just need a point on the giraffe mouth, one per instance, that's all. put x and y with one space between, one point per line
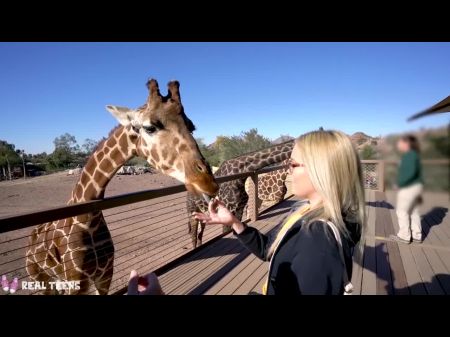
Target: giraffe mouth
200 184
208 193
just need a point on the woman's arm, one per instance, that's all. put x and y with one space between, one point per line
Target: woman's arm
259 243
254 241
250 237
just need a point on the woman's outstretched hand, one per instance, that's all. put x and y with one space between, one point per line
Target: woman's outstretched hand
144 285
218 214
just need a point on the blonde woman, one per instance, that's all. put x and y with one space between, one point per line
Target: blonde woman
305 252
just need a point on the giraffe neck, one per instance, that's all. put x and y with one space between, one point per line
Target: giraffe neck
257 160
101 166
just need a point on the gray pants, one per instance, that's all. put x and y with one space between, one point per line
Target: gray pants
408 212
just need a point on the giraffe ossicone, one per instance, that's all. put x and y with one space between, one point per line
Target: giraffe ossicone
80 248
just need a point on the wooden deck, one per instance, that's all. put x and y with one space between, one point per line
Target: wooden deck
225 267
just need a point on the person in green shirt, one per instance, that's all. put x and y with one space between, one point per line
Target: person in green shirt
410 184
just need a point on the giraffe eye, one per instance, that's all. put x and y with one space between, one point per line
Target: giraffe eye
150 129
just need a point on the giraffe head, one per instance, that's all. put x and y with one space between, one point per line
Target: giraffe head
161 133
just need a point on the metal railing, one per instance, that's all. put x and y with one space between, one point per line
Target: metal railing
372 171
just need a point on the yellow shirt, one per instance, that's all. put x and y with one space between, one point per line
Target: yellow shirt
291 220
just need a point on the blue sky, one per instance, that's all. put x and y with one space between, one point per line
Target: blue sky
47 89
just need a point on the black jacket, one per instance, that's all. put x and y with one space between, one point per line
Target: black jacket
307 261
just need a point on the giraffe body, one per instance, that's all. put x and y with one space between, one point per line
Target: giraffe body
272 185
233 193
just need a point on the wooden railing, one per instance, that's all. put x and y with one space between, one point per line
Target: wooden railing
374 171
20 221
14 233
25 220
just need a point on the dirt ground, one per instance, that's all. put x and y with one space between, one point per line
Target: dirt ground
38 193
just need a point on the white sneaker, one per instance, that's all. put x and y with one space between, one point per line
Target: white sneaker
14 285
5 283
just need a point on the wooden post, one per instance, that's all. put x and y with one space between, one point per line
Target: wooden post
252 209
381 169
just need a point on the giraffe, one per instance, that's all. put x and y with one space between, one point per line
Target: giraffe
80 248
233 193
272 185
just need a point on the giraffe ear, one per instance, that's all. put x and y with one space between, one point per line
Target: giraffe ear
124 115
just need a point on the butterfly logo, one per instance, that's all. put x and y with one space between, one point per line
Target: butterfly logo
10 287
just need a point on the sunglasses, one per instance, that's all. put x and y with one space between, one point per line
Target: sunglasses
291 165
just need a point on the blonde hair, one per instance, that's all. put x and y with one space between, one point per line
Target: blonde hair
334 168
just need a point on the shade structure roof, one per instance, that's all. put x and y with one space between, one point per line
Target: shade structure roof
442 106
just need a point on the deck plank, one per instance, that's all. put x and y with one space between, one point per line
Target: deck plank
439 260
203 256
435 235
259 273
220 271
443 255
426 272
221 254
219 286
357 270
383 270
207 268
413 277
369 284
383 267
244 277
358 257
397 282
439 269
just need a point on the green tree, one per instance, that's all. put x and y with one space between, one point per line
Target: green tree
439 146
89 146
207 152
65 153
282 139
40 160
8 158
226 147
368 152
67 142
252 141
